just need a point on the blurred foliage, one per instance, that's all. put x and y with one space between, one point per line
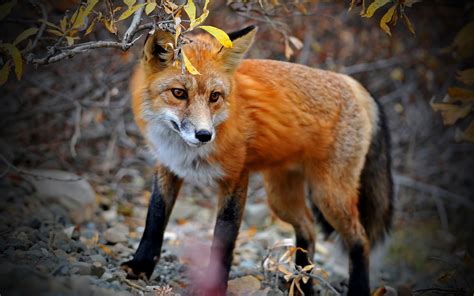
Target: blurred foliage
181 17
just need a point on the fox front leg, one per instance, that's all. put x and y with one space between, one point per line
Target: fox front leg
165 190
229 216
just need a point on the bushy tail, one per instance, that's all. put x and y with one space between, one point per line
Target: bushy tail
376 188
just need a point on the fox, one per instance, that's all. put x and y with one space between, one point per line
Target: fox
300 127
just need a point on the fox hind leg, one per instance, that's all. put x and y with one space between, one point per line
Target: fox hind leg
339 206
286 197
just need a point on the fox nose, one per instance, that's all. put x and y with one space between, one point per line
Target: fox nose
203 135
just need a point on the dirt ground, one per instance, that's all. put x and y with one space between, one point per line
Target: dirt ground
73 119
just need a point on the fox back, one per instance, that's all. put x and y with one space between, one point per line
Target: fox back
296 125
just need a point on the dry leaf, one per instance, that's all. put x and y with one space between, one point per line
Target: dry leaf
466 76
6 8
131 10
450 112
408 23
374 6
296 42
16 56
150 7
25 34
387 17
457 94
188 65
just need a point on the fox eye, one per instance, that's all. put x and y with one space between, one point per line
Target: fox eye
179 93
214 96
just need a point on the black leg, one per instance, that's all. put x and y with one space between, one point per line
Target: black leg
165 190
229 217
359 274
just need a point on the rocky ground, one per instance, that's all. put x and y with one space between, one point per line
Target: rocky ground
65 229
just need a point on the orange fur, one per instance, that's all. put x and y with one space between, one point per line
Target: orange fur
295 124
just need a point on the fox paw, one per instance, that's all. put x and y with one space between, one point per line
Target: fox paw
137 269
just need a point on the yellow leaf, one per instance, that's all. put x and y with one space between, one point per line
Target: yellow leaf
16 56
70 40
4 72
63 24
55 32
190 9
131 10
110 26
49 24
91 27
25 34
408 23
129 2
374 6
150 7
6 8
83 13
466 76
199 20
90 5
220 35
387 17
205 5
77 18
188 65
466 135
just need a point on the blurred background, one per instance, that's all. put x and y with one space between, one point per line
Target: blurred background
75 174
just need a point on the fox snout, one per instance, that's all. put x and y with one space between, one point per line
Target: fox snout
195 133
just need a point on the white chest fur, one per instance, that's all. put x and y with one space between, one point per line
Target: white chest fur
189 163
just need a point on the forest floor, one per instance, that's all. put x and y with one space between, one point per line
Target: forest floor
72 119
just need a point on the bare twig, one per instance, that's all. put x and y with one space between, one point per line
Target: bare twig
320 279
137 16
380 64
69 53
36 176
434 190
77 130
42 26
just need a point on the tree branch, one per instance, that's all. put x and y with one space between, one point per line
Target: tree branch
137 17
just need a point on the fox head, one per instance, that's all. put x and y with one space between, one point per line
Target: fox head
191 105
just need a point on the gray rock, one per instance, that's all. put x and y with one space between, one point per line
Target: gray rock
97 269
116 234
81 268
74 194
99 258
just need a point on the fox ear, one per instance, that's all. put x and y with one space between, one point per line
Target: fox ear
241 41
158 51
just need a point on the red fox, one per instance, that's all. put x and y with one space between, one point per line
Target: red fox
296 125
